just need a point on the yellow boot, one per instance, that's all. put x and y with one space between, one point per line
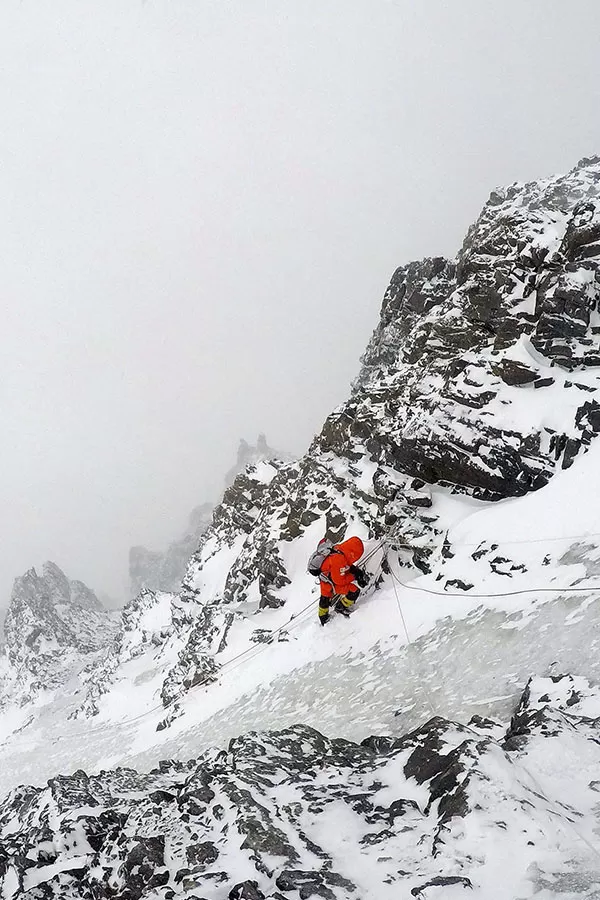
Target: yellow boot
344 605
323 614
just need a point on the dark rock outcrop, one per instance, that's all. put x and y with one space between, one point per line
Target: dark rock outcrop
293 814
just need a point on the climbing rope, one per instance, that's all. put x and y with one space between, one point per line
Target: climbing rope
412 651
228 666
541 790
293 622
297 618
559 812
399 605
518 593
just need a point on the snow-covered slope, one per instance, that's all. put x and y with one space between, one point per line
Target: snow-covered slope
481 380
550 538
465 458
504 811
468 653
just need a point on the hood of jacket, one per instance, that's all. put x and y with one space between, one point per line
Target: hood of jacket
352 549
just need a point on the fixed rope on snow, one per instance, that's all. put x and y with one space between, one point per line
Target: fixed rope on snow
253 652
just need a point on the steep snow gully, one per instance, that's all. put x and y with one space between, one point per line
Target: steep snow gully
465 458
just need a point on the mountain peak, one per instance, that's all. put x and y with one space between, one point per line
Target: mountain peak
251 454
49 620
165 570
480 384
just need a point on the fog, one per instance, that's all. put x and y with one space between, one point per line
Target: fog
202 203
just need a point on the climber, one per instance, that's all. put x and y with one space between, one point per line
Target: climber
338 576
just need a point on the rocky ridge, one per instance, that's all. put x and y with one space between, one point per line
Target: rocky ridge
293 814
159 621
52 624
480 379
252 454
445 393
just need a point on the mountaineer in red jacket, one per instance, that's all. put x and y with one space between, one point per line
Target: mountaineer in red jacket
338 575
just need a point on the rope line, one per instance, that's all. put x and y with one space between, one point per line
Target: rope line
224 669
517 593
564 818
498 541
291 623
557 811
411 651
253 652
400 610
227 666
569 537
297 618
372 552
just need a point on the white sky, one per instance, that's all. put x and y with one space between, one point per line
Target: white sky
202 203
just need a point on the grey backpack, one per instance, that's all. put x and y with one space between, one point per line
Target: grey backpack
324 548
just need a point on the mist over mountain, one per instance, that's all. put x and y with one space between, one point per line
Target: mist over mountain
219 743
164 571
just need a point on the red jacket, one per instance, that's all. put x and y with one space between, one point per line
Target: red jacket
337 564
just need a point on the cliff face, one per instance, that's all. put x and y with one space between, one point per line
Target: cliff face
479 377
475 376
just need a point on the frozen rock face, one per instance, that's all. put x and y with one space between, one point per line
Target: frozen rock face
293 814
156 571
477 375
51 624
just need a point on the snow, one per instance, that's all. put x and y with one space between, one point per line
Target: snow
485 647
560 512
46 873
217 561
520 832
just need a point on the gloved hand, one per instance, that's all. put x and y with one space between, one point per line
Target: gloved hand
360 576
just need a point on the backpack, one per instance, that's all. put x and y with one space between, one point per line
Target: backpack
324 548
